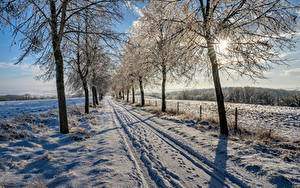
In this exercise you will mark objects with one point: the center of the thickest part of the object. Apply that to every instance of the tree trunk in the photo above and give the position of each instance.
(142, 91)
(163, 89)
(63, 118)
(133, 97)
(218, 88)
(62, 108)
(56, 42)
(94, 96)
(86, 95)
(127, 100)
(100, 96)
(121, 92)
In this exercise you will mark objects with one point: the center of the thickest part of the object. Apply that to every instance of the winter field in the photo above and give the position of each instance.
(120, 145)
(282, 121)
(11, 109)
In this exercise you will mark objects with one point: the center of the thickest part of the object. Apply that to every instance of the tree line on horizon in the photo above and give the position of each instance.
(26, 96)
(246, 95)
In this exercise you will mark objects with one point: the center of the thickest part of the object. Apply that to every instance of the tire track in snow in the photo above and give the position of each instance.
(161, 179)
(151, 165)
(195, 158)
(131, 153)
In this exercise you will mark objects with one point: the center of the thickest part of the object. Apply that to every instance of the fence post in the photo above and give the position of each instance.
(177, 107)
(200, 112)
(236, 119)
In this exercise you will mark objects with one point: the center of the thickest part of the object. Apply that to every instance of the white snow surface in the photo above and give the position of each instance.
(10, 109)
(283, 121)
(119, 145)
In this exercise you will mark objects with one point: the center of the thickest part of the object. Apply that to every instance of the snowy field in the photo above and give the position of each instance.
(283, 121)
(119, 145)
(10, 109)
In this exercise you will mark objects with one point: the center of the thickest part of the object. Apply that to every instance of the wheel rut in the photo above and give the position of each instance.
(145, 180)
(168, 163)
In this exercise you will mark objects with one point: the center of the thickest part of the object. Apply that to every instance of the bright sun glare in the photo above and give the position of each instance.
(223, 45)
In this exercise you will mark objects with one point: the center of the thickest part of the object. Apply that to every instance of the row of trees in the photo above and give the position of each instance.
(23, 97)
(263, 96)
(67, 38)
(176, 38)
(247, 95)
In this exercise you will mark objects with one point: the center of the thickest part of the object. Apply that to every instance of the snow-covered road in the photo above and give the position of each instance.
(130, 147)
(174, 160)
(168, 163)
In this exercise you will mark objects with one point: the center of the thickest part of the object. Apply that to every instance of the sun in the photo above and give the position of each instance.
(223, 44)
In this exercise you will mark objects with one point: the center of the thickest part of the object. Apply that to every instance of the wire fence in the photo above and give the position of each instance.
(283, 121)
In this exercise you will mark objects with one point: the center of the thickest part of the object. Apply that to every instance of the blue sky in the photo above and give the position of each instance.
(20, 79)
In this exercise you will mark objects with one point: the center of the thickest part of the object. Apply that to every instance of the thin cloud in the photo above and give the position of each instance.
(292, 72)
(6, 65)
(289, 54)
(135, 9)
(27, 69)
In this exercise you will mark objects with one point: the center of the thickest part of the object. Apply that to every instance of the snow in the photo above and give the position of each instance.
(9, 109)
(118, 145)
(93, 154)
(283, 121)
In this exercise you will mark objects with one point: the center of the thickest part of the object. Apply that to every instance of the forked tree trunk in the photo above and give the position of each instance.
(142, 91)
(86, 95)
(218, 88)
(127, 97)
(56, 41)
(163, 89)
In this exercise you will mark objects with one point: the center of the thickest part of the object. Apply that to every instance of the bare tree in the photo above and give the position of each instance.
(78, 59)
(135, 60)
(89, 65)
(44, 25)
(78, 71)
(239, 37)
(163, 36)
(101, 72)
